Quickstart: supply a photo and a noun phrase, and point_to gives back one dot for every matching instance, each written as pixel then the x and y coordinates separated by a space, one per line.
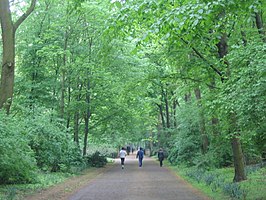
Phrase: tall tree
pixel 8 62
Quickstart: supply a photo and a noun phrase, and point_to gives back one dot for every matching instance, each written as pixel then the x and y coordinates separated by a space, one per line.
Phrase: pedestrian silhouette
pixel 122 155
pixel 140 155
pixel 161 156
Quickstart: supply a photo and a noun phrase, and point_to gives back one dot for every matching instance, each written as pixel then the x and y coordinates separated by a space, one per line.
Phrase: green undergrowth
pixel 43 181
pixel 218 183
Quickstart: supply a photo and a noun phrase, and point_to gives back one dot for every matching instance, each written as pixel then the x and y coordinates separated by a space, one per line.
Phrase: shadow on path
pixel 150 182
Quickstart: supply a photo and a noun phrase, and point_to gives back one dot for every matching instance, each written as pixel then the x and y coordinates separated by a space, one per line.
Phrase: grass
pixel 218 183
pixel 44 180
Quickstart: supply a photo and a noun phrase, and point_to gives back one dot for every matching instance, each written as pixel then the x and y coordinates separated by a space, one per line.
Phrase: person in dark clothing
pixel 161 156
pixel 128 150
pixel 140 156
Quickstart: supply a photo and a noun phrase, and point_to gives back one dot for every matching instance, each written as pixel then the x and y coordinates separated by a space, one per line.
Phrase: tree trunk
pixel 236 146
pixel 237 150
pixel 87 119
pixel 77 114
pixel 8 62
pixel 76 127
pixel 204 137
pixel 165 97
pixel 175 104
pixel 62 101
pixel 240 174
pixel 259 25
pixel 162 115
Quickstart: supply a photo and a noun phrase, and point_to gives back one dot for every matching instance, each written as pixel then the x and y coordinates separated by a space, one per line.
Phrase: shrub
pixel 17 163
pixel 96 160
pixel 54 149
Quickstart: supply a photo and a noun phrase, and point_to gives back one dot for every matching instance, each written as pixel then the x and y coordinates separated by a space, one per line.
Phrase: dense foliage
pixel 188 76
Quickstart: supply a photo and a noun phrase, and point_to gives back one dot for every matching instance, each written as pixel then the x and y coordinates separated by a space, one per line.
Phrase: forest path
pixel 150 182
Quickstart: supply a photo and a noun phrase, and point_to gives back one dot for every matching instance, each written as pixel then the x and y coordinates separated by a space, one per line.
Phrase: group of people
pixel 140 155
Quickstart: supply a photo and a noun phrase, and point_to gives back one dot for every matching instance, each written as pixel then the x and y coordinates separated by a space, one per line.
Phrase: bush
pixel 54 149
pixel 96 160
pixel 17 163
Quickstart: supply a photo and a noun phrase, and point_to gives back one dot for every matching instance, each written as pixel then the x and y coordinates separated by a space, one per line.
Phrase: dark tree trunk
pixel 161 114
pixel 87 119
pixel 68 103
pixel 204 137
pixel 77 115
pixel 76 127
pixel 236 146
pixel 175 104
pixel 240 174
pixel 187 97
pixel 260 26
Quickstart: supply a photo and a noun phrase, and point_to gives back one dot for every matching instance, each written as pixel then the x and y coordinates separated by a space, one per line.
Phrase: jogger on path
pixel 149 183
pixel 122 155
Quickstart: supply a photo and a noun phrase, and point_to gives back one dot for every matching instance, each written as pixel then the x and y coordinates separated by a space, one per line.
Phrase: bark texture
pixel 9 28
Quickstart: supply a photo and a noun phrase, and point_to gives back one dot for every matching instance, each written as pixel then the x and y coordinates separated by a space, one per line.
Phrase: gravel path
pixel 151 182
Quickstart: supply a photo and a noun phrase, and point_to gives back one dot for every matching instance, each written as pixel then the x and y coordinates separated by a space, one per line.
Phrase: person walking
pixel 161 156
pixel 122 155
pixel 140 155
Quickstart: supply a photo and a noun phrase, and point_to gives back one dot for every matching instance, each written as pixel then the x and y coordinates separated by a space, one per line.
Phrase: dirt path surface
pixel 65 189
pixel 149 182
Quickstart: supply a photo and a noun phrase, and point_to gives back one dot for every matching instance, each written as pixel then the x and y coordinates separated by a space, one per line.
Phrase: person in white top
pixel 122 155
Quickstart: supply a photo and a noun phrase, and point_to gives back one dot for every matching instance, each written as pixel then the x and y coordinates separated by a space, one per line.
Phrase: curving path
pixel 151 182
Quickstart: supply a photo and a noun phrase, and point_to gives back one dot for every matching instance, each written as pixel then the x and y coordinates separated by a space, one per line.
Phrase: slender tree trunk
pixel 161 115
pixel 77 115
pixel 204 137
pixel 88 101
pixel 175 104
pixel 260 27
pixel 167 113
pixel 160 129
pixel 87 119
pixel 68 103
pixel 62 101
pixel 187 97
pixel 76 127
pixel 63 77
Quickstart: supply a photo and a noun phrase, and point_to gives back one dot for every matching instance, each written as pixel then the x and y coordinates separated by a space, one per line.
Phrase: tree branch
pixel 25 15
pixel 203 58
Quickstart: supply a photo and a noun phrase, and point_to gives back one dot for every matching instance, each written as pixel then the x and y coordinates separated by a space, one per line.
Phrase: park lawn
pixel 218 183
